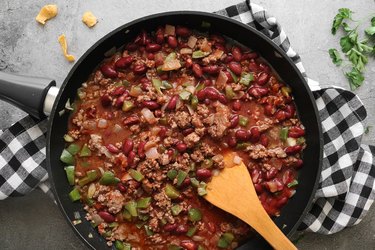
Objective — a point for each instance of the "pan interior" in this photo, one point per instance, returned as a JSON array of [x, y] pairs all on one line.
[[291, 214]]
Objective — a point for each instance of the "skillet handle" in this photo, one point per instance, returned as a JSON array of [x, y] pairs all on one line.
[[28, 93]]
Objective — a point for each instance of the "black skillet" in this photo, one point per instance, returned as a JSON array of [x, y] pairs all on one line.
[[36, 97]]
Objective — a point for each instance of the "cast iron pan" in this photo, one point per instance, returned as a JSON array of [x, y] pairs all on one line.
[[28, 94]]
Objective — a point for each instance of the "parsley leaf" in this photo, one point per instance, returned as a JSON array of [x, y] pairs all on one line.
[[373, 21], [346, 43], [344, 13], [355, 78], [335, 56]]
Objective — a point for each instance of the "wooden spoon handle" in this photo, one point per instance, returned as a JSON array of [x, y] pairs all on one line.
[[263, 224]]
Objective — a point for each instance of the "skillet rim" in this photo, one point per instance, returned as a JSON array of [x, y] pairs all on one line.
[[171, 13]]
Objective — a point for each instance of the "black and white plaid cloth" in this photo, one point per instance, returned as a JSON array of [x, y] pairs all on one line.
[[346, 189]]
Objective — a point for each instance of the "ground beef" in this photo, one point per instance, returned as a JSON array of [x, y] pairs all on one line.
[[191, 139], [182, 119], [115, 201], [259, 151], [219, 121]]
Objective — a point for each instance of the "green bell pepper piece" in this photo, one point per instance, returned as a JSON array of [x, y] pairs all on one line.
[[67, 157], [69, 170], [85, 151]]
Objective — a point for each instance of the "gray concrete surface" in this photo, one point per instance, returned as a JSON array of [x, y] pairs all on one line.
[[34, 222]]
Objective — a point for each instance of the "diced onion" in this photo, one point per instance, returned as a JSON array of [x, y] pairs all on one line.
[[148, 115], [192, 41], [190, 109], [91, 190], [102, 123], [155, 130], [170, 30], [237, 160], [89, 124], [97, 219], [291, 141], [179, 103], [197, 238], [185, 51], [293, 192], [221, 79], [152, 153], [117, 128], [190, 88]]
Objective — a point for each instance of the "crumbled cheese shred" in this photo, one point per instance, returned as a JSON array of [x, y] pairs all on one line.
[[89, 19], [64, 47], [46, 12]]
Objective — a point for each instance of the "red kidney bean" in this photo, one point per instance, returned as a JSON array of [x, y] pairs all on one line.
[[131, 158], [264, 140], [164, 76], [162, 132], [270, 174], [234, 120], [249, 55], [108, 71], [236, 105], [172, 42], [254, 134], [185, 183], [264, 67], [253, 66], [211, 69], [181, 147], [121, 187], [107, 217], [282, 202], [131, 120], [235, 67], [293, 149], [105, 100], [153, 47], [197, 70], [183, 31], [112, 148], [229, 76], [223, 99], [127, 146], [298, 164], [139, 69], [237, 54], [141, 149], [188, 245], [172, 103], [150, 56], [170, 227], [203, 174], [211, 93], [232, 142], [170, 152], [132, 47], [242, 135], [119, 101], [152, 105], [188, 63], [228, 59], [220, 46], [269, 109], [187, 131], [145, 84], [296, 132], [118, 91], [124, 62], [208, 82], [217, 38], [290, 110], [256, 175], [263, 78], [280, 115], [159, 35], [257, 91], [258, 188], [181, 229]]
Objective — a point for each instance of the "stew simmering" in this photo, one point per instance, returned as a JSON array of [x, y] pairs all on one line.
[[149, 129]]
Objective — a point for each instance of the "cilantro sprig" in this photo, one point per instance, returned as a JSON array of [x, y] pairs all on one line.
[[355, 49]]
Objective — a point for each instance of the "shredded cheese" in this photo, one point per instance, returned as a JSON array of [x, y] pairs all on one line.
[[46, 12], [64, 47], [89, 19]]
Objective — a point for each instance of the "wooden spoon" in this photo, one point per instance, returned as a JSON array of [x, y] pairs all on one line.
[[233, 191]]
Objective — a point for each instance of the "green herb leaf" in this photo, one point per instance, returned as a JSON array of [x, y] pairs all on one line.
[[344, 13], [346, 44], [335, 56], [355, 78], [373, 21]]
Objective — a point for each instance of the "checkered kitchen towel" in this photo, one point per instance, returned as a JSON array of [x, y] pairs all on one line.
[[346, 190]]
